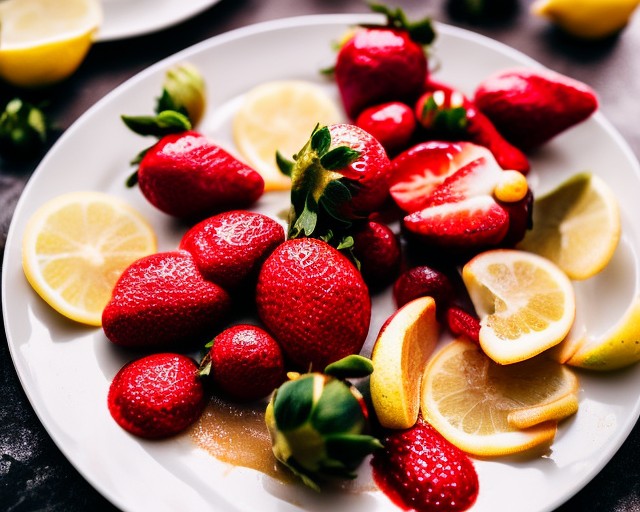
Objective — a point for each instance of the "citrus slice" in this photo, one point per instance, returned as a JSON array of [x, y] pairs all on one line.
[[487, 409], [399, 357], [280, 116], [617, 348], [43, 42], [577, 226], [76, 246], [526, 304]]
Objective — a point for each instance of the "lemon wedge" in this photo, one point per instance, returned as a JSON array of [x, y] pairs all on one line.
[[399, 357], [75, 247], [589, 19], [280, 116], [43, 42], [489, 410], [526, 304], [576, 225]]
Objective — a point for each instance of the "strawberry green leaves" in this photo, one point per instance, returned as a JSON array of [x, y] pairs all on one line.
[[420, 31]]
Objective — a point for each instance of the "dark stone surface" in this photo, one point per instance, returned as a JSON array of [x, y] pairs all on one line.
[[34, 475]]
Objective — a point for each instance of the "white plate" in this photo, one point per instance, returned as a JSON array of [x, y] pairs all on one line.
[[66, 369], [128, 18]]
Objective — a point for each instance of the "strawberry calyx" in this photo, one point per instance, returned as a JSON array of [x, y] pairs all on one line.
[[420, 31], [318, 192]]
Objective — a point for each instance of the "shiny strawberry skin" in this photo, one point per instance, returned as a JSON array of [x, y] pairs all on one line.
[[187, 176], [162, 301], [392, 124], [422, 281], [229, 248], [157, 396], [420, 470], [378, 65], [377, 249], [530, 107], [463, 323], [314, 302], [246, 362]]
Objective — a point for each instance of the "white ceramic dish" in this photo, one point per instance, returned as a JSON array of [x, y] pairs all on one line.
[[128, 18], [66, 368]]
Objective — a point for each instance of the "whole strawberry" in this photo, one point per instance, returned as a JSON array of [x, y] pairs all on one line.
[[422, 281], [162, 300], [392, 124], [531, 106], [340, 175], [314, 301], [386, 63], [185, 175], [229, 248], [245, 362], [377, 249], [420, 470], [157, 396]]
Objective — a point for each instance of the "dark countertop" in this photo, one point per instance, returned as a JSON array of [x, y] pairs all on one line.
[[34, 475]]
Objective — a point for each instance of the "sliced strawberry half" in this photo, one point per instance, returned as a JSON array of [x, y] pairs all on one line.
[[419, 171]]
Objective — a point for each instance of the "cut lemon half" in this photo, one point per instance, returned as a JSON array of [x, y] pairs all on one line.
[[399, 357], [487, 409], [43, 41], [280, 116], [526, 304], [577, 226], [76, 246]]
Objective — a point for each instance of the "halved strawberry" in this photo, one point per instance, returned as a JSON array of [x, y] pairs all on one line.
[[418, 171]]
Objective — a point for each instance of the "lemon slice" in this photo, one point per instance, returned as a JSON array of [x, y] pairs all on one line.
[[487, 409], [43, 42], [399, 357], [617, 348], [76, 246], [526, 304], [577, 226], [279, 116]]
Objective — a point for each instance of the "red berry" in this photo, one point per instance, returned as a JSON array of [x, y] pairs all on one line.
[[246, 362], [378, 251], [157, 396], [462, 323], [420, 470], [423, 281], [391, 123]]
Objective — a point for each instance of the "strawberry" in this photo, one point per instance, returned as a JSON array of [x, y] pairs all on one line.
[[418, 171], [185, 175], [314, 301], [392, 124], [420, 470], [339, 176], [157, 396], [229, 248], [245, 362], [386, 63], [422, 281], [463, 323], [162, 300], [378, 251], [447, 114], [531, 106]]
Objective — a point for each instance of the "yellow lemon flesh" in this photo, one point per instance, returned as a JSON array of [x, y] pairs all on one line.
[[76, 246], [487, 409], [399, 357], [526, 304], [280, 116], [589, 19], [43, 41], [577, 226], [617, 348]]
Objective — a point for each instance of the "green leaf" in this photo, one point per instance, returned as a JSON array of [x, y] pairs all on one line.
[[336, 195], [321, 140], [346, 242], [293, 401], [339, 158], [353, 366], [166, 102], [204, 369], [132, 180], [164, 123], [284, 164], [307, 220], [421, 31], [337, 410], [351, 449], [451, 121], [23, 130]]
